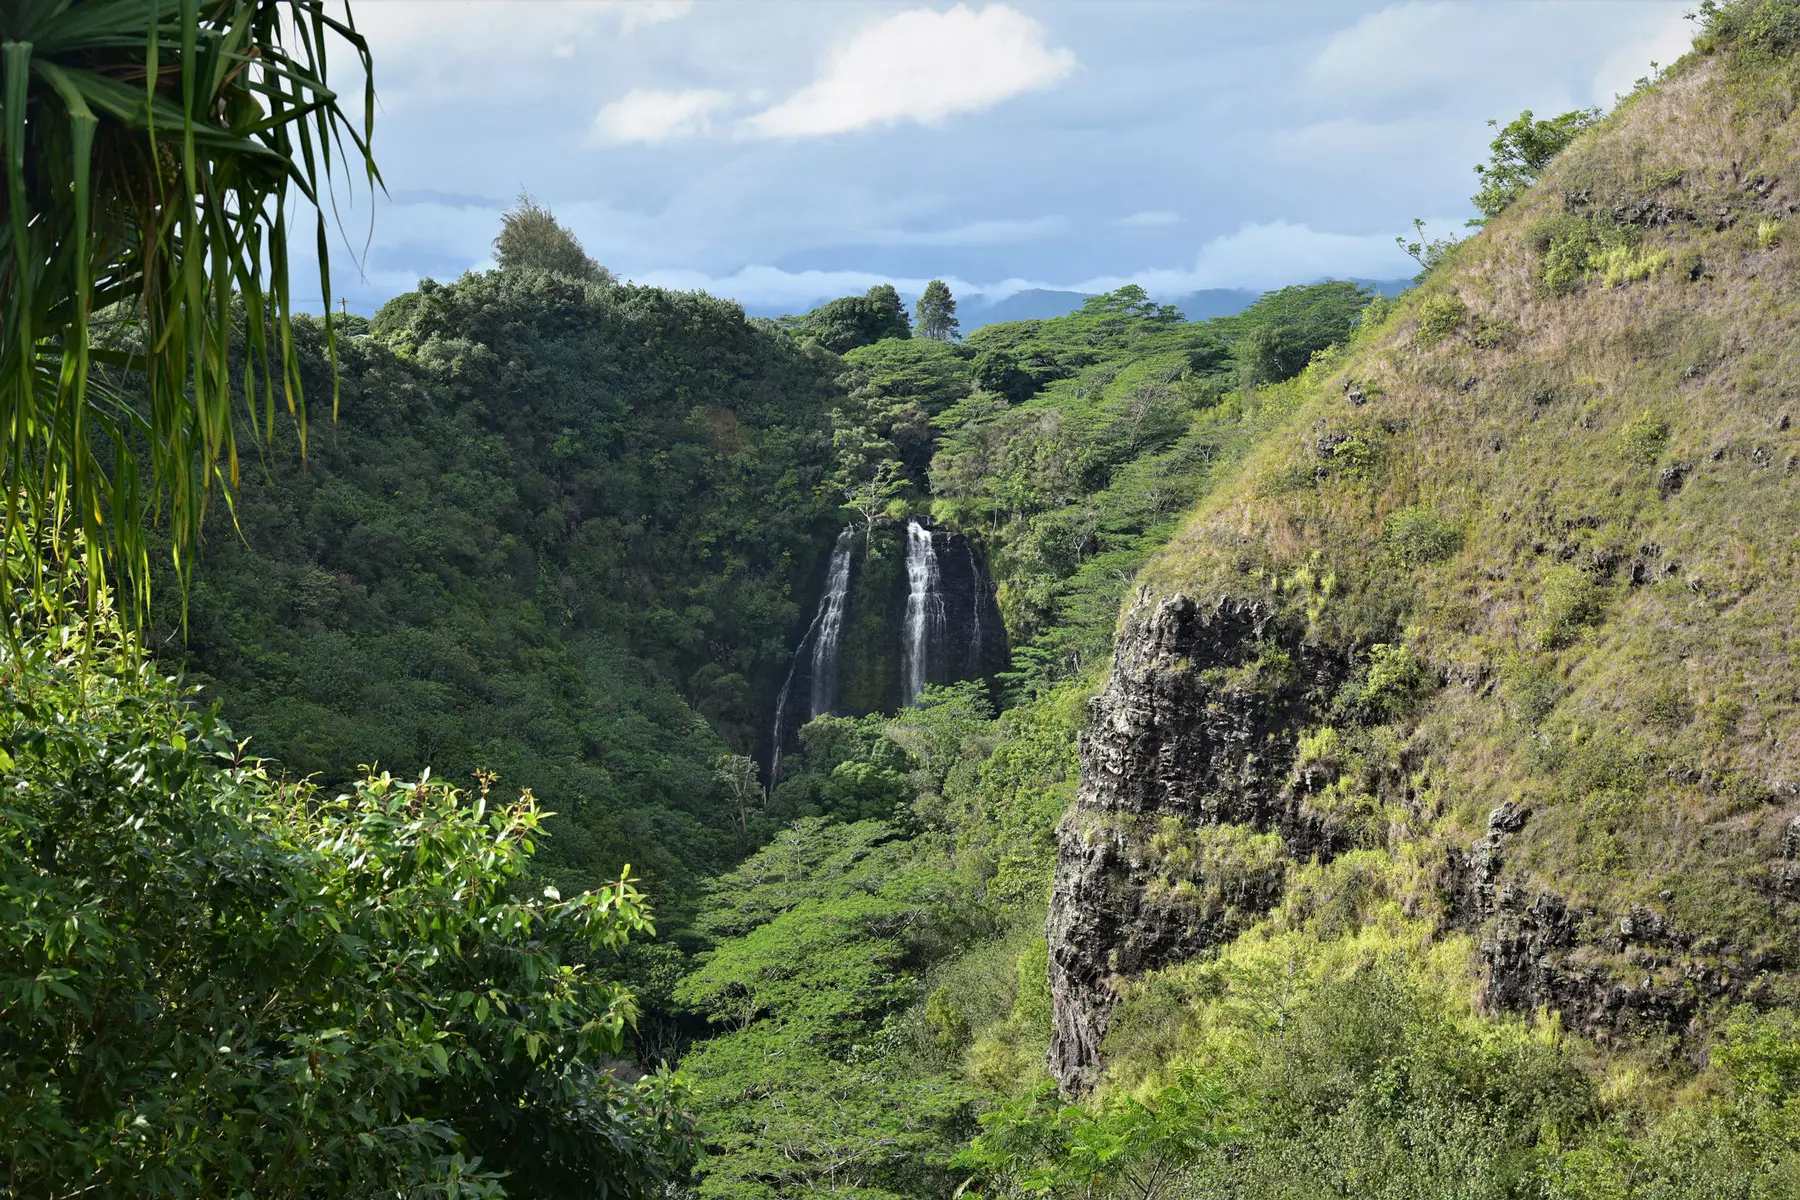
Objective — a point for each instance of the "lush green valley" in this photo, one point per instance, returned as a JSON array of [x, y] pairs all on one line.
[[1382, 780]]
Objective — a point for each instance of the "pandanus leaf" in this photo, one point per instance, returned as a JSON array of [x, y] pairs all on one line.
[[152, 150]]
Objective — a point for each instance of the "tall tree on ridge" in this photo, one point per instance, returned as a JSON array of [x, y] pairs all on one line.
[[935, 313], [531, 236]]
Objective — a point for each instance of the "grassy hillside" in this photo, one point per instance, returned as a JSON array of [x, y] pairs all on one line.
[[1562, 475], [1506, 610]]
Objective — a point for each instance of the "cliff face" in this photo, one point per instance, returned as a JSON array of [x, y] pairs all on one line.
[[1508, 602], [1196, 729]]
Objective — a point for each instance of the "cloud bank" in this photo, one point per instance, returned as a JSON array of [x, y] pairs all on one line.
[[1256, 257]]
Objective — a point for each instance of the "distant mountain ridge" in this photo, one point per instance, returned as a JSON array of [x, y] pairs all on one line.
[[975, 310]]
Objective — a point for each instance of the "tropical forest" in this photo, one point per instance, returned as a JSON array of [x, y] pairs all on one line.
[[569, 731]]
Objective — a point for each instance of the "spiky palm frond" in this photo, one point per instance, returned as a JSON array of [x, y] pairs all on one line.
[[153, 152]]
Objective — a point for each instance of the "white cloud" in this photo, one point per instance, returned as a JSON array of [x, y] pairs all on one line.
[[1149, 220], [1396, 48], [651, 116], [430, 30], [1543, 48], [634, 14], [766, 286], [427, 51], [922, 66], [1279, 253]]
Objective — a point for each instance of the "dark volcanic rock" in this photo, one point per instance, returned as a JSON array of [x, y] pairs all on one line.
[[1172, 737]]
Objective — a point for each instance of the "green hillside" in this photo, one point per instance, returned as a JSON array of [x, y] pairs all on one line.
[[1432, 834], [1385, 783], [560, 533]]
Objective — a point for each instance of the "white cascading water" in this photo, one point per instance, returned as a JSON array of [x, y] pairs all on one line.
[[831, 624], [924, 607], [831, 608], [976, 591]]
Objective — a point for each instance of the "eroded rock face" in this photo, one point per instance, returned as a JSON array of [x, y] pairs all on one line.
[[1190, 727], [1193, 734], [1537, 952]]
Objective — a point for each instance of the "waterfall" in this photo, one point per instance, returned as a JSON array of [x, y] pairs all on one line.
[[830, 612], [831, 624], [924, 608], [978, 591]]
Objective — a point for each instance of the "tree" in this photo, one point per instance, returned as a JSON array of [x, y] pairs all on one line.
[[998, 371], [740, 778], [1428, 252], [1520, 153], [531, 237], [935, 313], [851, 321], [213, 983], [867, 477], [153, 151], [1286, 328]]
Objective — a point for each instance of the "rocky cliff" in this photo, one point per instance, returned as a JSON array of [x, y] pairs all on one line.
[[1195, 733]]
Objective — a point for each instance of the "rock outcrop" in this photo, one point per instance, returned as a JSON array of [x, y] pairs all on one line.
[[1196, 726]]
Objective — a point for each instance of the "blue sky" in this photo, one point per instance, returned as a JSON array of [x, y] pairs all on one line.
[[782, 152]]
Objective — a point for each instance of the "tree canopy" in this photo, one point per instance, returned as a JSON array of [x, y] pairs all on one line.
[[531, 237], [1521, 151], [844, 324]]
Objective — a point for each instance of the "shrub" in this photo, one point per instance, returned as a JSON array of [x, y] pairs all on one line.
[[1643, 438], [1493, 333], [1572, 246], [1570, 602], [1384, 687], [1666, 706], [1619, 265], [1417, 535], [1532, 687], [213, 983], [1353, 453], [1439, 317]]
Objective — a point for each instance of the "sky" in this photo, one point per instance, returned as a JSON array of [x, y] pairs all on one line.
[[780, 152]]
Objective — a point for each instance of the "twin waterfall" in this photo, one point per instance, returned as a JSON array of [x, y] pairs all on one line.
[[828, 624], [924, 608], [831, 626], [901, 607]]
